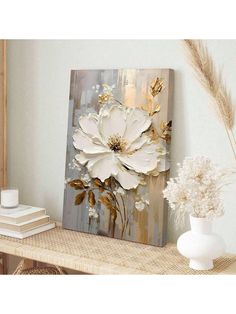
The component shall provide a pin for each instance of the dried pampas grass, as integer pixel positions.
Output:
(211, 80)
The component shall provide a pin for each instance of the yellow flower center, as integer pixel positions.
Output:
(104, 98)
(116, 143)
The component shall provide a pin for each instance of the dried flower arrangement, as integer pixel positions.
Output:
(196, 190)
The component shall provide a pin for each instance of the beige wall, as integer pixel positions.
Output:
(38, 91)
(2, 113)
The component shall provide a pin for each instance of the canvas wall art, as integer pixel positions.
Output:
(117, 163)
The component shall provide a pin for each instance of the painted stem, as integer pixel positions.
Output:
(112, 219)
(113, 225)
(118, 102)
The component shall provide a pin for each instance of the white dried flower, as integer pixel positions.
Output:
(93, 213)
(196, 189)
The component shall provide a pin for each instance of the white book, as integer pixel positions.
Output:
(26, 225)
(20, 214)
(25, 234)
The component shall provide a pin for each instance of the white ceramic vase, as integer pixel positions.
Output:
(200, 244)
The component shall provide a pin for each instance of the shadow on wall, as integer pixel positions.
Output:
(20, 122)
(178, 150)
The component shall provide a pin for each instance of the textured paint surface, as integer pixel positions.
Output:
(131, 88)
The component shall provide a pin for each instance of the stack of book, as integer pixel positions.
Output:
(24, 221)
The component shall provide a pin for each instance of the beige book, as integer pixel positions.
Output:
(22, 213)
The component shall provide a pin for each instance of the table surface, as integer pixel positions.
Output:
(93, 254)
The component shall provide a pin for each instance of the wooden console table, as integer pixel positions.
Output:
(100, 255)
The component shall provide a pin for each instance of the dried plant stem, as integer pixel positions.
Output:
(233, 137)
(232, 141)
(211, 80)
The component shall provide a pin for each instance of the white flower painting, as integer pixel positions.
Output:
(114, 143)
(118, 144)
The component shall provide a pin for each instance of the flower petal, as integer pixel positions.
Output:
(127, 179)
(142, 160)
(102, 166)
(138, 121)
(89, 125)
(112, 121)
(82, 158)
(86, 144)
(163, 164)
(138, 143)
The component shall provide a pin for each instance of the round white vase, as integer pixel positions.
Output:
(200, 244)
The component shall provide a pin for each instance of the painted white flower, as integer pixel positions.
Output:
(93, 213)
(113, 143)
(120, 191)
(86, 178)
(74, 165)
(139, 205)
(145, 199)
(66, 182)
(106, 97)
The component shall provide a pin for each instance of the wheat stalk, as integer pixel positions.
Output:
(211, 80)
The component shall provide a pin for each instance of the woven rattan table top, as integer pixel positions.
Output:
(101, 255)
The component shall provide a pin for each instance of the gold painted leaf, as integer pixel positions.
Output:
(163, 125)
(113, 212)
(153, 134)
(157, 86)
(97, 182)
(77, 184)
(166, 126)
(108, 203)
(157, 108)
(167, 138)
(165, 131)
(111, 195)
(79, 198)
(91, 198)
(105, 201)
(107, 182)
(169, 124)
